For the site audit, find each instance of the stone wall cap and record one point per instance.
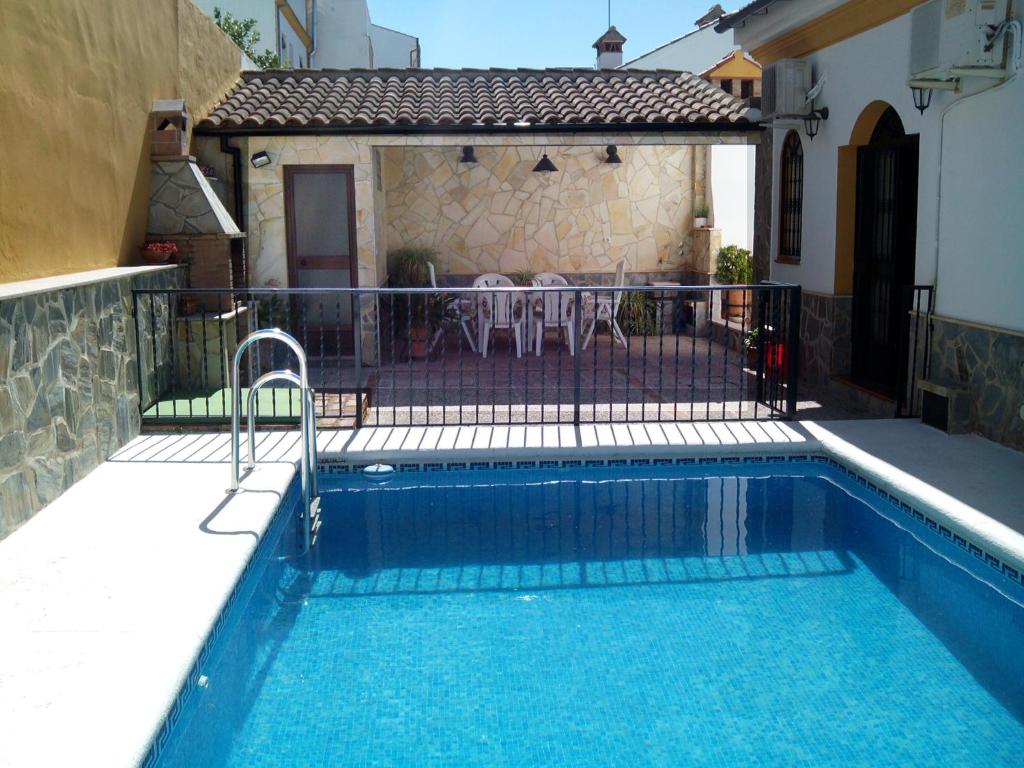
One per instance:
(76, 279)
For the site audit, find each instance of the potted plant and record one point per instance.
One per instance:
(750, 344)
(422, 313)
(523, 277)
(700, 216)
(735, 267)
(159, 253)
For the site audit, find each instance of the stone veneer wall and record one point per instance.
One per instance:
(264, 187)
(824, 336)
(497, 215)
(68, 387)
(990, 364)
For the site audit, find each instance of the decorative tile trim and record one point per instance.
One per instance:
(270, 538)
(898, 504)
(929, 522)
(337, 467)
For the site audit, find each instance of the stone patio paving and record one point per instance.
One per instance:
(659, 378)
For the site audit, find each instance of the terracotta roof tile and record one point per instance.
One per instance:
(437, 97)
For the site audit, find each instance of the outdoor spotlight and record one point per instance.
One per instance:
(260, 159)
(813, 120)
(468, 155)
(613, 154)
(922, 98)
(545, 165)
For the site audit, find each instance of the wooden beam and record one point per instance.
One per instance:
(295, 24)
(833, 27)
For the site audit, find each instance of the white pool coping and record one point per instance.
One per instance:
(21, 288)
(108, 594)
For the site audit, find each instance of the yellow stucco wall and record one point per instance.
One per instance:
(78, 78)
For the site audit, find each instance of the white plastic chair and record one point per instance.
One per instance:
(557, 311)
(499, 311)
(604, 307)
(465, 307)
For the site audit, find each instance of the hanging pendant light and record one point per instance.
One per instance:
(468, 155)
(544, 165)
(613, 154)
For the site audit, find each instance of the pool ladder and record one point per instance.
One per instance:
(310, 512)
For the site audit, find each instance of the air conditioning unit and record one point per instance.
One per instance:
(947, 35)
(784, 87)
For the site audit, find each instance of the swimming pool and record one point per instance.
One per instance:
(718, 613)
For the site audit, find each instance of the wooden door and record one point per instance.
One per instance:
(886, 236)
(321, 242)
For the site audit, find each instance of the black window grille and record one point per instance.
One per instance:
(792, 198)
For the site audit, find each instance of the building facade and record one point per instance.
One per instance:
(895, 188)
(716, 58)
(323, 34)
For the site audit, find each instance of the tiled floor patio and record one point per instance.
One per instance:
(660, 378)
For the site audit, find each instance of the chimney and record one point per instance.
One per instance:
(609, 49)
(168, 129)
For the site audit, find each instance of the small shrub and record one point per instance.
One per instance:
(735, 266)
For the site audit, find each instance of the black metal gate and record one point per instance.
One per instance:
(886, 234)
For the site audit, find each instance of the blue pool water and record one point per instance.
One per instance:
(726, 615)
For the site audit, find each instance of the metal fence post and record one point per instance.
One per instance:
(357, 354)
(138, 352)
(576, 310)
(793, 344)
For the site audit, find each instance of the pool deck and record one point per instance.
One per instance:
(107, 595)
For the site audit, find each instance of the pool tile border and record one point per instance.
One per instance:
(995, 563)
(162, 738)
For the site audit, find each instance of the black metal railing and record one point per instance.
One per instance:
(400, 356)
(916, 306)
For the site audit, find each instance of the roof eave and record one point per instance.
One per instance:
(739, 127)
(730, 21)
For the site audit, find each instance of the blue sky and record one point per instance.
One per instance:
(533, 33)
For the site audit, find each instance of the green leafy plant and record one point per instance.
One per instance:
(700, 212)
(637, 313)
(523, 277)
(410, 267)
(750, 341)
(243, 33)
(735, 266)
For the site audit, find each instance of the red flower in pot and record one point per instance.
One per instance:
(159, 253)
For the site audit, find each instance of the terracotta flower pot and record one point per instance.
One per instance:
(418, 342)
(153, 256)
(736, 303)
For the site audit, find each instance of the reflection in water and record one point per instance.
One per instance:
(489, 522)
(776, 620)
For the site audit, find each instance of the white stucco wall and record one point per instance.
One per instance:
(694, 52)
(391, 48)
(342, 34)
(732, 194)
(732, 168)
(976, 264)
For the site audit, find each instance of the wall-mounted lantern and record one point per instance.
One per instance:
(812, 121)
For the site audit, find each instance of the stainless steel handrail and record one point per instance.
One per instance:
(310, 416)
(275, 334)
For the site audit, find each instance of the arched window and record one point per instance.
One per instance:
(791, 194)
